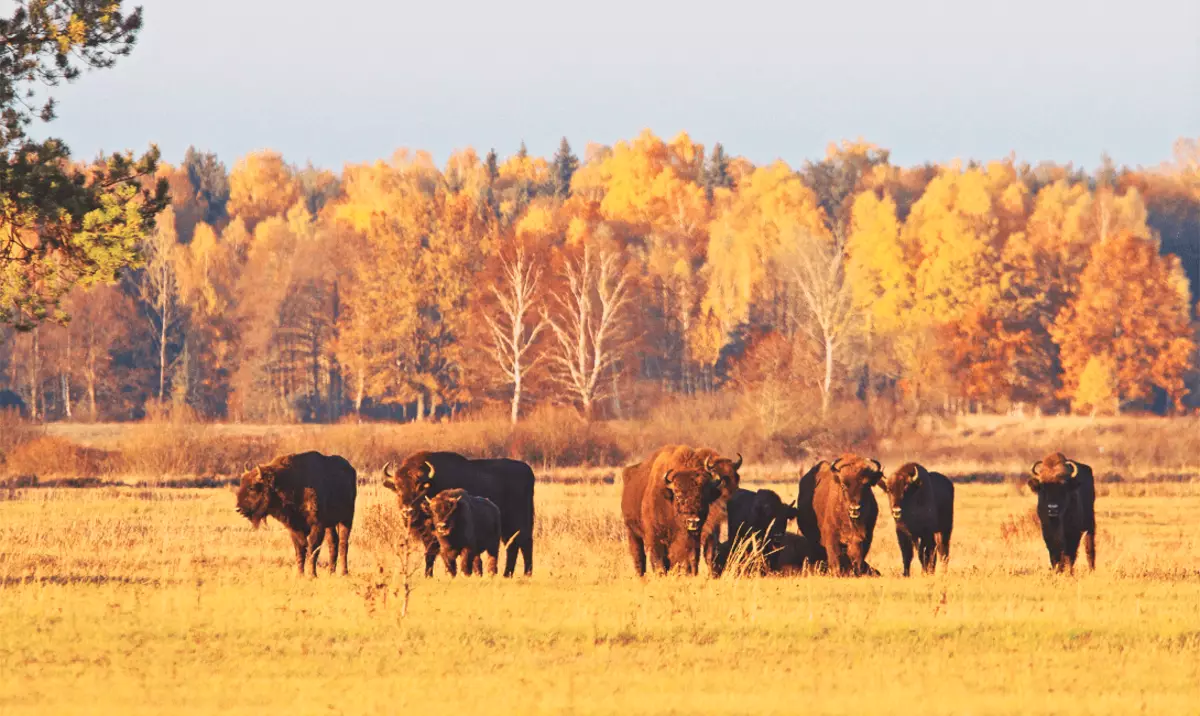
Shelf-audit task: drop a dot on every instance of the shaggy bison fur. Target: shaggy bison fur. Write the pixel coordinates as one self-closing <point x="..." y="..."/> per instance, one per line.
<point x="1066" y="492"/>
<point x="465" y="526"/>
<point x="837" y="512"/>
<point x="923" y="507"/>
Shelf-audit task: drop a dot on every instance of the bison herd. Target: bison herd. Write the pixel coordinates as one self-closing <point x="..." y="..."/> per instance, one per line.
<point x="680" y="506"/>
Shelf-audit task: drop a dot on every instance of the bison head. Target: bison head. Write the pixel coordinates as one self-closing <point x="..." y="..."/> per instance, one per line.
<point x="1051" y="478"/>
<point x="411" y="483"/>
<point x="903" y="482"/>
<point x="442" y="508"/>
<point x="690" y="493"/>
<point x="726" y="471"/>
<point x="256" y="494"/>
<point x="856" y="476"/>
<point x="769" y="516"/>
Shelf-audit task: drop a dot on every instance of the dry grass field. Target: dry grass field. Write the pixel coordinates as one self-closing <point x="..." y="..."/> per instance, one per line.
<point x="151" y="601"/>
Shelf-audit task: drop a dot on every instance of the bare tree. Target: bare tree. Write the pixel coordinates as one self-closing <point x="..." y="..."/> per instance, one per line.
<point x="512" y="335"/>
<point x="818" y="270"/>
<point x="159" y="289"/>
<point x="587" y="327"/>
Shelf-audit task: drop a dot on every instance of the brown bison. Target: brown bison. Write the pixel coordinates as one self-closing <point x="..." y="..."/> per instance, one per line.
<point x="923" y="507"/>
<point x="763" y="517"/>
<point x="837" y="512"/>
<point x="507" y="483"/>
<point x="665" y="512"/>
<point x="1066" y="492"/>
<point x="309" y="493"/>
<point x="684" y="457"/>
<point x="468" y="526"/>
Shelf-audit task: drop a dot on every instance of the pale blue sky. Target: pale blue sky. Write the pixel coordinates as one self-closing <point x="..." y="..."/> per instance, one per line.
<point x="353" y="80"/>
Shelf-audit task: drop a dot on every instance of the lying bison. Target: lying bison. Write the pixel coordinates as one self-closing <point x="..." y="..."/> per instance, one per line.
<point x="923" y="506"/>
<point x="762" y="517"/>
<point x="665" y="512"/>
<point x="310" y="494"/>
<point x="507" y="483"/>
<point x="1066" y="492"/>
<point x="837" y="512"/>
<point x="465" y="525"/>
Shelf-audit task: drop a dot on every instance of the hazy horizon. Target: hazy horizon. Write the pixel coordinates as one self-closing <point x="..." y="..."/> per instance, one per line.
<point x="929" y="81"/>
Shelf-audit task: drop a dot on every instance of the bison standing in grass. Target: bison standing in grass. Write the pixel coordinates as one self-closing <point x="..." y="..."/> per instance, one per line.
<point x="665" y="513"/>
<point x="310" y="494"/>
<point x="507" y="483"/>
<point x="837" y="512"/>
<point x="1066" y="492"/>
<point x="923" y="507"/>
<point x="468" y="526"/>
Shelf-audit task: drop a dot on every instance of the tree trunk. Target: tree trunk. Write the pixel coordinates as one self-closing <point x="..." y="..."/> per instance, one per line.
<point x="66" y="380"/>
<point x="827" y="385"/>
<point x="162" y="357"/>
<point x="516" y="398"/>
<point x="420" y="406"/>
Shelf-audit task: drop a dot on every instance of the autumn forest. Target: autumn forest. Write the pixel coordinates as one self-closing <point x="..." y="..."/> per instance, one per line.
<point x="617" y="277"/>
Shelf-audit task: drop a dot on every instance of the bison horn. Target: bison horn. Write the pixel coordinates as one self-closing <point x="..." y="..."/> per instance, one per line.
<point x="834" y="466"/>
<point x="247" y="467"/>
<point x="1034" y="470"/>
<point x="708" y="463"/>
<point x="667" y="476"/>
<point x="387" y="470"/>
<point x="737" y="465"/>
<point x="427" y="500"/>
<point x="878" y="467"/>
<point x="430" y="466"/>
<point x="1074" y="469"/>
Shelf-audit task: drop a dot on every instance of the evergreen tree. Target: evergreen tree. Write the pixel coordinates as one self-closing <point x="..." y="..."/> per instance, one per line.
<point x="716" y="172"/>
<point x="61" y="224"/>
<point x="210" y="180"/>
<point x="493" y="167"/>
<point x="563" y="168"/>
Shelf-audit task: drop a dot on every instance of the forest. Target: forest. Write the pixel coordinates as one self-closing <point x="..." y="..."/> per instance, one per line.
<point x="624" y="276"/>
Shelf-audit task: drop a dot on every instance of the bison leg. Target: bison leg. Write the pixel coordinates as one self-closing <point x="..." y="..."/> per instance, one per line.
<point x="942" y="540"/>
<point x="637" y="549"/>
<point x="468" y="562"/>
<point x="493" y="556"/>
<point x="450" y="559"/>
<point x="527" y="555"/>
<point x="315" y="537"/>
<point x="334" y="543"/>
<point x="710" y="553"/>
<point x="906" y="550"/>
<point x="431" y="553"/>
<point x="1072" y="551"/>
<point x="343" y="532"/>
<point x="659" y="561"/>
<point x="300" y="542"/>
<point x="1089" y="546"/>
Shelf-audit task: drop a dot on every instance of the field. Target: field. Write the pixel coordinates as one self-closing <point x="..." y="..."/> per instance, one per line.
<point x="154" y="600"/>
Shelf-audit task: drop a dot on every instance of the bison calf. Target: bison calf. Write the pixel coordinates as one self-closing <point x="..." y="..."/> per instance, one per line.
<point x="465" y="526"/>
<point x="1066" y="492"/>
<point x="310" y="494"/>
<point x="923" y="507"/>
<point x="759" y="518"/>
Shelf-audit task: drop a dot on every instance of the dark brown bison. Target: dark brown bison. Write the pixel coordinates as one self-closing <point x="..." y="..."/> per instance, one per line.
<point x="763" y="517"/>
<point x="923" y="507"/>
<point x="792" y="555"/>
<point x="507" y="483"/>
<point x="309" y="493"/>
<point x="665" y="512"/>
<point x="468" y="526"/>
<point x="1066" y="492"/>
<point x="837" y="512"/>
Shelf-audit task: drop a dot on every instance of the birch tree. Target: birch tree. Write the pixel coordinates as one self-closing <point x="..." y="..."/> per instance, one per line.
<point x="817" y="269"/>
<point x="513" y="336"/>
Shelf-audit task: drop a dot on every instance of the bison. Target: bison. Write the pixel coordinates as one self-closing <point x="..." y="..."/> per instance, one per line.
<point x="465" y="525"/>
<point x="1066" y="492"/>
<point x="309" y="493"/>
<point x="665" y="512"/>
<point x="837" y="512"/>
<point x="507" y="483"/>
<point x="923" y="507"/>
<point x="761" y="516"/>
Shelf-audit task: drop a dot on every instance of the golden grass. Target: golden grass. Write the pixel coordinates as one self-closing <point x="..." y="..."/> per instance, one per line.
<point x="151" y="601"/>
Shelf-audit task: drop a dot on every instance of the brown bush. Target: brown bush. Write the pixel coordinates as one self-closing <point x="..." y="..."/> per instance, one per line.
<point x="49" y="456"/>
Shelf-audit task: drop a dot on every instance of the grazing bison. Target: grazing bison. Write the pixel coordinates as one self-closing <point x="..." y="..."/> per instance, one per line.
<point x="1066" y="492"/>
<point x="468" y="526"/>
<point x="665" y="512"/>
<point x="763" y="516"/>
<point x="837" y="512"/>
<point x="507" y="483"/>
<point x="923" y="506"/>
<point x="310" y="494"/>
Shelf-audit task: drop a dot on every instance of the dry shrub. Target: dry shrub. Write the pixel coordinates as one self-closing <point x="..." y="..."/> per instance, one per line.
<point x="558" y="437"/>
<point x="161" y="451"/>
<point x="50" y="456"/>
<point x="1020" y="529"/>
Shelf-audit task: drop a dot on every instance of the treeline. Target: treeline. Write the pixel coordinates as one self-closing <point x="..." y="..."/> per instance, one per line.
<point x="640" y="271"/>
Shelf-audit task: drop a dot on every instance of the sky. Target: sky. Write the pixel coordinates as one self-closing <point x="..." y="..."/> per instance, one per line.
<point x="353" y="81"/>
